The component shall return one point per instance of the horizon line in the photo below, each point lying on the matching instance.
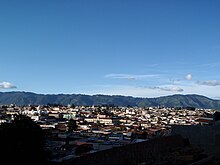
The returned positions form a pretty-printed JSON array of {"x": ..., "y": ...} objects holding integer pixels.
[{"x": 102, "y": 94}]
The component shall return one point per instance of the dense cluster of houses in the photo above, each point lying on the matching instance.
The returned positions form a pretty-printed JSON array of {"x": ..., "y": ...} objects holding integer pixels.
[{"x": 72, "y": 131}]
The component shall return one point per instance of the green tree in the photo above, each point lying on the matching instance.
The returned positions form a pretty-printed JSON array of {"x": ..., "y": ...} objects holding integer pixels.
[
  {"x": 72, "y": 126},
  {"x": 22, "y": 142}
]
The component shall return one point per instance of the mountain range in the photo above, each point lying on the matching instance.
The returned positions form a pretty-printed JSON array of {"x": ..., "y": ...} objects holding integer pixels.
[{"x": 28, "y": 98}]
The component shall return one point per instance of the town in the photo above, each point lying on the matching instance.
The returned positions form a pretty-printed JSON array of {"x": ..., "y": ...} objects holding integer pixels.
[{"x": 73, "y": 131}]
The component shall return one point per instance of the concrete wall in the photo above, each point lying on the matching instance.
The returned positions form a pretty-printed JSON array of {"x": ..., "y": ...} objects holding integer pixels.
[
  {"x": 130, "y": 154},
  {"x": 207, "y": 136}
]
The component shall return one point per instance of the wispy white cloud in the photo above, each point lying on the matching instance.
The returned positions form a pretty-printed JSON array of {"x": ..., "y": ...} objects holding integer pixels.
[
  {"x": 188, "y": 77},
  {"x": 157, "y": 91},
  {"x": 169, "y": 89},
  {"x": 209, "y": 83},
  {"x": 127, "y": 90},
  {"x": 154, "y": 85},
  {"x": 7, "y": 85},
  {"x": 175, "y": 81},
  {"x": 131, "y": 76}
]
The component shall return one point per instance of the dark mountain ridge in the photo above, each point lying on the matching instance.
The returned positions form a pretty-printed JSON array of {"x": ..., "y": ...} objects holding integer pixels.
[{"x": 28, "y": 98}]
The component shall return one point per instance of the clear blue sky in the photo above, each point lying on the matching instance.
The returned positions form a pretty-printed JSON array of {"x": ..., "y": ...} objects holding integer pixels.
[{"x": 144, "y": 48}]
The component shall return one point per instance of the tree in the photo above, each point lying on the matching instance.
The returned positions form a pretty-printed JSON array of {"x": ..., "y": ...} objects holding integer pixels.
[
  {"x": 72, "y": 126},
  {"x": 72, "y": 106},
  {"x": 22, "y": 142}
]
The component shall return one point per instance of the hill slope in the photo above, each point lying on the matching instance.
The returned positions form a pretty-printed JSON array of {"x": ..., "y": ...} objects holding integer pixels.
[{"x": 26, "y": 98}]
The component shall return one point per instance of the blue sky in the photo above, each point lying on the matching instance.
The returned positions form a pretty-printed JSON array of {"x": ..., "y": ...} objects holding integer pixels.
[{"x": 144, "y": 48}]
